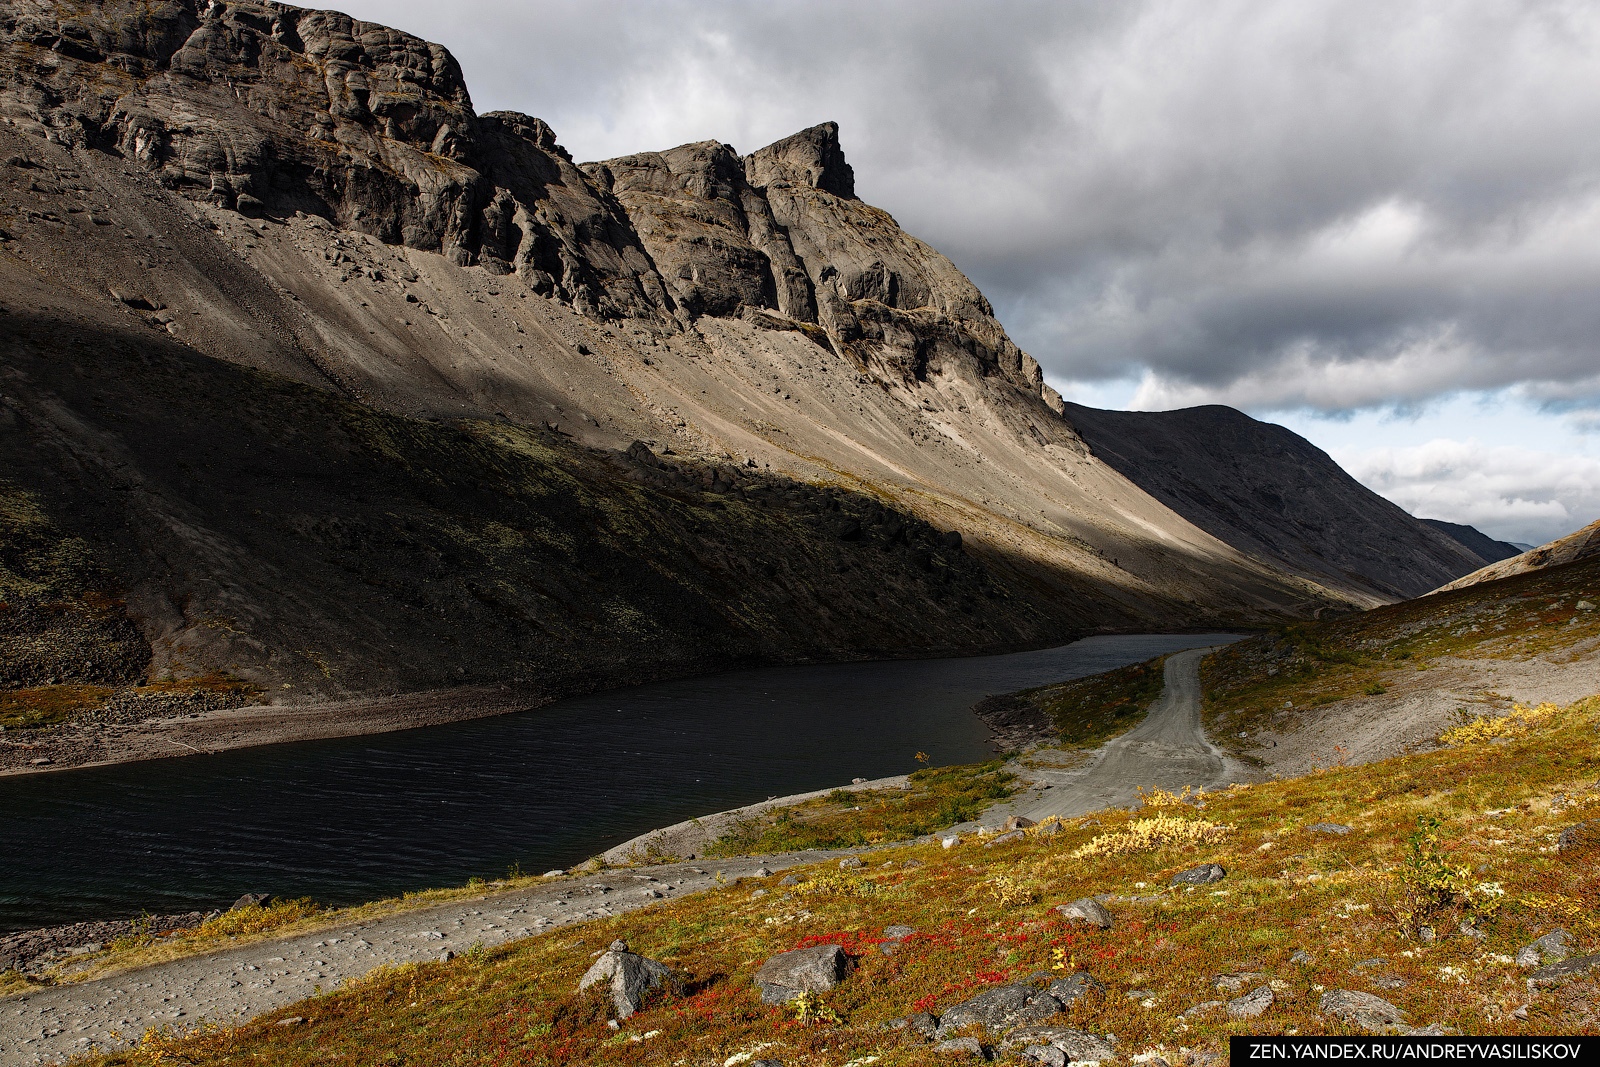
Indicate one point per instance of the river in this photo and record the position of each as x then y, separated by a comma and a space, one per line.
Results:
357, 818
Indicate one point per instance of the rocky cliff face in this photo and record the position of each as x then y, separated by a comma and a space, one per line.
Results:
1574, 548
272, 290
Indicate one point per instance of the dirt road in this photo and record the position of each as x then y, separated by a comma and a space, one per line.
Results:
1168, 750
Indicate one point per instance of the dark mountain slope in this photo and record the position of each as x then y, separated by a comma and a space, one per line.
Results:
1273, 494
1484, 546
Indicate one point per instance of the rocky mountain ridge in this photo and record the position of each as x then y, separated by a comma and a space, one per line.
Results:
256, 234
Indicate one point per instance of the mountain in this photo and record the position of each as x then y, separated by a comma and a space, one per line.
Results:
1486, 547
317, 383
1581, 545
1271, 493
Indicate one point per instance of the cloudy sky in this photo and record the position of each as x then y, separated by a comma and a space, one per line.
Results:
1377, 222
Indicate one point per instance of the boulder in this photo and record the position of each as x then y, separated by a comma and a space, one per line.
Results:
1551, 948
1006, 838
250, 900
920, 1023
1232, 983
1578, 835
1552, 973
805, 970
850, 863
1086, 910
1252, 1004
1205, 874
1016, 822
1337, 829
999, 1009
1076, 1045
631, 977
1074, 988
1361, 1009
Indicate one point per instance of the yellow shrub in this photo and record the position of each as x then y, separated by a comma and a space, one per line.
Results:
836, 885
1161, 798
1141, 835
1521, 719
255, 919
1008, 891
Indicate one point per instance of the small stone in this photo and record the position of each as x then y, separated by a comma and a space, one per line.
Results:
1361, 1009
898, 933
789, 879
1301, 956
618, 945
968, 1045
1203, 1008
1016, 822
1551, 948
1232, 983
1338, 829
557, 873
1048, 1055
1086, 910
911, 863
807, 970
1578, 835
951, 841
850, 863
1252, 1004
446, 956
293, 1020
251, 900
1205, 874
761, 872
1006, 838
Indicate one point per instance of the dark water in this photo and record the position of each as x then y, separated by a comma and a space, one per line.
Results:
353, 819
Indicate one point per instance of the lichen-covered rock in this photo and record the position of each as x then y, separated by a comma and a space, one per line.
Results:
1252, 1004
1361, 1009
1000, 1009
1205, 874
1088, 911
1551, 948
806, 970
631, 977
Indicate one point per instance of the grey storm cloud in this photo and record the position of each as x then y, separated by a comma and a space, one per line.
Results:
1327, 205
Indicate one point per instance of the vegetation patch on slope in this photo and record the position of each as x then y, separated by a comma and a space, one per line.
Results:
1272, 681
1077, 714
1417, 879
937, 797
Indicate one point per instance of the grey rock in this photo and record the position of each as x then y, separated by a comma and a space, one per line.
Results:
1048, 1055
1074, 988
921, 1023
251, 900
1338, 829
1578, 835
1205, 1007
630, 976
1301, 956
898, 933
805, 970
446, 956
1252, 1004
1076, 1044
1553, 947
1086, 910
1232, 983
999, 1009
1466, 929
789, 879
1016, 822
1361, 1009
850, 863
1005, 838
970, 1046
1552, 973
1205, 874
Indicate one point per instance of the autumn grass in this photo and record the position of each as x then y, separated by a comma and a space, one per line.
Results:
46, 705
935, 799
1484, 813
1086, 712
1274, 680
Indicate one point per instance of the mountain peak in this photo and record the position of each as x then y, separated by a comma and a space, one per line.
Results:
811, 157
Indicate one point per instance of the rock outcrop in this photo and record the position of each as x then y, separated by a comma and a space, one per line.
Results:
1582, 545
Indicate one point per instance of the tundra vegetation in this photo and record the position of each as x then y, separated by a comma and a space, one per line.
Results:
1452, 861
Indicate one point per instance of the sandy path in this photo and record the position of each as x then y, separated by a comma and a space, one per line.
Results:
1168, 750
236, 984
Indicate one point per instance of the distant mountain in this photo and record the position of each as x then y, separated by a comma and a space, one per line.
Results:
1522, 546
1584, 544
1274, 495
1479, 542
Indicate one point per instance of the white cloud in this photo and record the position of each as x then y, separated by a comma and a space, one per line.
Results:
1507, 491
